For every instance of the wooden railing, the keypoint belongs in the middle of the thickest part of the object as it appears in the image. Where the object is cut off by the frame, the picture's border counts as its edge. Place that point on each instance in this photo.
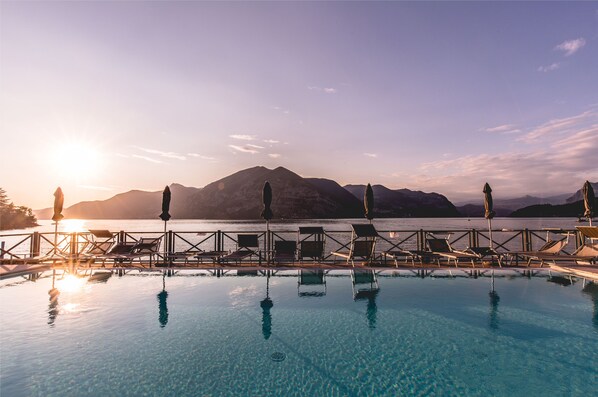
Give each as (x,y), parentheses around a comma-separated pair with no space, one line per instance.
(40,245)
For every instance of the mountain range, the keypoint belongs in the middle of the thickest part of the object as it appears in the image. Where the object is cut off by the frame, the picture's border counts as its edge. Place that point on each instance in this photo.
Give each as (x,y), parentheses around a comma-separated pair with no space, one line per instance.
(239,196)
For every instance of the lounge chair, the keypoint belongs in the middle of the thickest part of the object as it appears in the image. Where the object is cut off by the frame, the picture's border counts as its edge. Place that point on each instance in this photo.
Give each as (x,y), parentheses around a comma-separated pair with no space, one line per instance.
(247,247)
(442,249)
(311,242)
(127,251)
(311,283)
(585,254)
(550,249)
(362,245)
(397,253)
(284,251)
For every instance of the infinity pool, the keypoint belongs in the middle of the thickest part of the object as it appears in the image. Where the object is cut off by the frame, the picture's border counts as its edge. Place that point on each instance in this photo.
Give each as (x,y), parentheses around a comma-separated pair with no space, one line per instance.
(337,334)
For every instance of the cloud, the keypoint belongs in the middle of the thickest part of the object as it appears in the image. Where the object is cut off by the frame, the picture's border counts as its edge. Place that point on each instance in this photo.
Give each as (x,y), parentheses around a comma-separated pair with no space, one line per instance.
(561,126)
(556,165)
(243,149)
(243,137)
(254,146)
(373,155)
(197,155)
(151,160)
(549,68)
(570,47)
(274,155)
(327,90)
(503,129)
(170,155)
(271,141)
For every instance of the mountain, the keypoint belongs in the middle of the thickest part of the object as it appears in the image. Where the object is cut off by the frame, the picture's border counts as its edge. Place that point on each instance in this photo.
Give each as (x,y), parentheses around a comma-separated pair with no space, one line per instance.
(578,195)
(478,210)
(237,196)
(406,203)
(547,210)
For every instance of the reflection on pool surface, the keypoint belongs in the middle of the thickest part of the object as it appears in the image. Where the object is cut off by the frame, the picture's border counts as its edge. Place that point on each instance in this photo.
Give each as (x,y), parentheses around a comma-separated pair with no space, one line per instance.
(337,333)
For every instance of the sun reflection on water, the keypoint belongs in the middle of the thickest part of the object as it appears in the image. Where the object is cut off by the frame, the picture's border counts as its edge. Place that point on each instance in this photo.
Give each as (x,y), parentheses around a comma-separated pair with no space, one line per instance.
(73,225)
(70,283)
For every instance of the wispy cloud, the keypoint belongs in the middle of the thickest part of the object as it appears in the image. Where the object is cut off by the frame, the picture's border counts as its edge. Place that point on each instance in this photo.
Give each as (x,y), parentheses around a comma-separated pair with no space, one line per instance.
(373,155)
(254,146)
(151,160)
(274,155)
(278,108)
(243,137)
(170,155)
(503,129)
(200,156)
(561,126)
(244,149)
(549,68)
(539,168)
(271,141)
(570,47)
(327,90)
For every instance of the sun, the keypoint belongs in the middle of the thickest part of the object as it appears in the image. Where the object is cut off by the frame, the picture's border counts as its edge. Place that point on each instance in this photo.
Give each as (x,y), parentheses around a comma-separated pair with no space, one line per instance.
(76,160)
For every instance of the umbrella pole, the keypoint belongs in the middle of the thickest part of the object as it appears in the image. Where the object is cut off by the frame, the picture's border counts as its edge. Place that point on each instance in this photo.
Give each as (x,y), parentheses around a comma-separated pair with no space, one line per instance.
(55,238)
(268,242)
(165,243)
(490,231)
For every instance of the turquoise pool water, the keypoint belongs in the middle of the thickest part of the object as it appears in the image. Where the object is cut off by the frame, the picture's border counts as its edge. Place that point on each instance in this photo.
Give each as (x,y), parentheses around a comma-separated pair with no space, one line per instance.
(200,335)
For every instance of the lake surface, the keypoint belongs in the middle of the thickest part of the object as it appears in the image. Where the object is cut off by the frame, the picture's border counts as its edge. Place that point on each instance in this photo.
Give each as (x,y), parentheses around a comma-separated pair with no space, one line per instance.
(342,334)
(180,225)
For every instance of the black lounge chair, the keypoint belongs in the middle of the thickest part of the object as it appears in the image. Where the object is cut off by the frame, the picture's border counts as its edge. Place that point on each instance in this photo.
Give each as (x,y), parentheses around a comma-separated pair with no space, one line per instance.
(247,247)
(362,245)
(311,243)
(284,251)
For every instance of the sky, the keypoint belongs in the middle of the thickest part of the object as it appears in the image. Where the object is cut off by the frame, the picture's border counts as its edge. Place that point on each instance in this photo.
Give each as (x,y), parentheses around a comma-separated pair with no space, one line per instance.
(104,97)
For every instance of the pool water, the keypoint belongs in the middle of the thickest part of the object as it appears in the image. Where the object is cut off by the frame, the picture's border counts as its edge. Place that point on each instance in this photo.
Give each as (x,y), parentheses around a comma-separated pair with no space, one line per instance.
(338,334)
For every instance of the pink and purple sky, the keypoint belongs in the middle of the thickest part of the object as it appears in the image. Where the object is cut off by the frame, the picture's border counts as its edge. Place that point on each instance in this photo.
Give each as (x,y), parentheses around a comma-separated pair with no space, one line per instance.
(104,97)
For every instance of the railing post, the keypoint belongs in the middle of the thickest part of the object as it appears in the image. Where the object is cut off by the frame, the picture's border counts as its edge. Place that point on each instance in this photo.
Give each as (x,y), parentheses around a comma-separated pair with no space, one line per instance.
(122,236)
(35,246)
(74,245)
(1,249)
(578,239)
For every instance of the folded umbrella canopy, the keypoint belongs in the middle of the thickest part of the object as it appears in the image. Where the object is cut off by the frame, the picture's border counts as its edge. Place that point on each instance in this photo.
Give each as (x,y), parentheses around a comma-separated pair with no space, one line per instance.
(165,216)
(368,202)
(588,200)
(489,208)
(58,204)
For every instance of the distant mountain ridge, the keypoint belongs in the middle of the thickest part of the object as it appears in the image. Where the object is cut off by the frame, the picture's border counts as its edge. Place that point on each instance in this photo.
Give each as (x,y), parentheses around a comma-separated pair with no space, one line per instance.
(406,203)
(238,196)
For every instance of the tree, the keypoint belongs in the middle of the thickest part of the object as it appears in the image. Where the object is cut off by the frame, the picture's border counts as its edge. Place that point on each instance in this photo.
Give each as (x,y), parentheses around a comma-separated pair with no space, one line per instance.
(14,217)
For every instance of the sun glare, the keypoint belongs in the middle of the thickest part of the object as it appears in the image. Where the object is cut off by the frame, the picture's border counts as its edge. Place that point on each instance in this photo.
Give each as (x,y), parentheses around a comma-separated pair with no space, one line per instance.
(73,225)
(70,283)
(76,160)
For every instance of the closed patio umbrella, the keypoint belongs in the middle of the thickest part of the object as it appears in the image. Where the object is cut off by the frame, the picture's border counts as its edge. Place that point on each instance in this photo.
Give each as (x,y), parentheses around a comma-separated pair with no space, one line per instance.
(267,214)
(368,202)
(57,217)
(488,206)
(588,200)
(165,216)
